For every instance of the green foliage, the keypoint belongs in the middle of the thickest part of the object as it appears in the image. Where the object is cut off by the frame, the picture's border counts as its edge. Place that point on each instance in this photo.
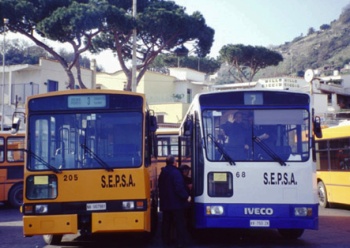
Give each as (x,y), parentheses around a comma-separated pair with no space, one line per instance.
(325,26)
(20,52)
(311,31)
(73,21)
(246,61)
(163,61)
(66,21)
(345,15)
(181,51)
(161,26)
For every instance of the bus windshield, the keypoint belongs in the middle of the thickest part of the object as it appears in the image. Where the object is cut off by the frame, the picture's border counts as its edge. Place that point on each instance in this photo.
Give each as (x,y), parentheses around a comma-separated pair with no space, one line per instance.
(85,141)
(257,135)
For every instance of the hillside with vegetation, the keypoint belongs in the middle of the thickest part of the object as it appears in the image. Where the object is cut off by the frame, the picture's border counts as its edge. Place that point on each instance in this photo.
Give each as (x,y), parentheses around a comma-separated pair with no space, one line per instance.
(327,49)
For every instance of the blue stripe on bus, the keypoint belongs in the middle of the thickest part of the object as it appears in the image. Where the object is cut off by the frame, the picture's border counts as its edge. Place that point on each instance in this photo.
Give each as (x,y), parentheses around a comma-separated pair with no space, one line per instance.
(240,215)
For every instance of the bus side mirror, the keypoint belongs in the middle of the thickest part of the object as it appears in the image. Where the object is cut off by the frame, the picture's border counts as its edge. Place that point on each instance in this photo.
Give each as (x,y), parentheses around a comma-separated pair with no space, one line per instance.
(317,127)
(153,125)
(188,127)
(16,122)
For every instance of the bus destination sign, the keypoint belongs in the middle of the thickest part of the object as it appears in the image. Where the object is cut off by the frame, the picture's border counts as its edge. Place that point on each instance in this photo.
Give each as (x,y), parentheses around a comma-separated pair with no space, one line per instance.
(86,101)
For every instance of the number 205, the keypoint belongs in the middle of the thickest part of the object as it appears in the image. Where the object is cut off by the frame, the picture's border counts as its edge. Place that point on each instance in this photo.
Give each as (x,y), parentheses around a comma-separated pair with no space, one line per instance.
(70,177)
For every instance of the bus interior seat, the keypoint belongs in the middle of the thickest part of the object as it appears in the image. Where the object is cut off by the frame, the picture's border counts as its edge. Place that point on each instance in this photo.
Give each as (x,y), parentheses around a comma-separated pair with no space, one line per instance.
(129,152)
(284,152)
(69,161)
(126,149)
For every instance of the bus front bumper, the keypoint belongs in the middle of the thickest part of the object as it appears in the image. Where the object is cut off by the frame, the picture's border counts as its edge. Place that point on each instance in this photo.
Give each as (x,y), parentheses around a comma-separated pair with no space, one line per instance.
(280,216)
(99,223)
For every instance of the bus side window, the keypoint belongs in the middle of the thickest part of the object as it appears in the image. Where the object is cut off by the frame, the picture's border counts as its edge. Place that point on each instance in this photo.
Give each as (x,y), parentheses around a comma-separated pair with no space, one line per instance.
(1,153)
(343,155)
(2,142)
(15,149)
(163,144)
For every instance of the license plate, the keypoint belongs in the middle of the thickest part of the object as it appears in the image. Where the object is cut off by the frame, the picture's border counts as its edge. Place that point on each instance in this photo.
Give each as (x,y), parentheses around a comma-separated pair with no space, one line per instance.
(96,206)
(259,223)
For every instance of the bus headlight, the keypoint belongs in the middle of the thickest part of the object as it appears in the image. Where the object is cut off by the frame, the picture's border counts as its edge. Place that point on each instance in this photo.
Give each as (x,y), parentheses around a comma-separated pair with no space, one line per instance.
(215,210)
(134,205)
(41,209)
(302,211)
(128,205)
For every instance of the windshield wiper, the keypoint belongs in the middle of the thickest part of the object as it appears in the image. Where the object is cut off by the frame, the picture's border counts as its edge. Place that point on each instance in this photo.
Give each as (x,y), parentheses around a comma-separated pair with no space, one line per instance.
(97,158)
(222,150)
(54,169)
(268,150)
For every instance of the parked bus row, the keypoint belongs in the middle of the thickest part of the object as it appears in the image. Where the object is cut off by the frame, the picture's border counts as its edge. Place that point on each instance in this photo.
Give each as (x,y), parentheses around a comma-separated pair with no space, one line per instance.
(89,162)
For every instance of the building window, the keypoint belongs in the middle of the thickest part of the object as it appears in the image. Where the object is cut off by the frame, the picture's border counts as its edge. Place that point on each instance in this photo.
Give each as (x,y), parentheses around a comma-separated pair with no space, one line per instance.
(160,118)
(52,85)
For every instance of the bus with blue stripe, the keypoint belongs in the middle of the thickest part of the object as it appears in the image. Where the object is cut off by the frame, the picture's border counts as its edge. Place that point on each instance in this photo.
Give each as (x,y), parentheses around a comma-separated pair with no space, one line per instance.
(267,182)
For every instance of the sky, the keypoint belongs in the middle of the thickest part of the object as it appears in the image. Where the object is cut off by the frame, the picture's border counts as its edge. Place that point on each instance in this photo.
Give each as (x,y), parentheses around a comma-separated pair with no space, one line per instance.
(254,22)
(262,22)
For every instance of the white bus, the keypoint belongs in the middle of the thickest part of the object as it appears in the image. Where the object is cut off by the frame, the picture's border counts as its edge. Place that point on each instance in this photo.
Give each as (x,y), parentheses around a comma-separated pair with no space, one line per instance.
(266,179)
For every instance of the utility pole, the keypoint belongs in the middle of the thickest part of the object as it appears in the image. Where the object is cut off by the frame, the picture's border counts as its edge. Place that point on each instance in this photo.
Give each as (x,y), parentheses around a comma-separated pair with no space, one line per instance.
(133,70)
(3,77)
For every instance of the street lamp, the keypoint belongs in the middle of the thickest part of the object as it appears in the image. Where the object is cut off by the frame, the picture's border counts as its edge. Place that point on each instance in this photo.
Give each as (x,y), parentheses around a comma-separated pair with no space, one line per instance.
(3,76)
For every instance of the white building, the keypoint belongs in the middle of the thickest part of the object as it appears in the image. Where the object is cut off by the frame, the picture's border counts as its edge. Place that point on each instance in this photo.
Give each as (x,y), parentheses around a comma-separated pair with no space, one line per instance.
(331,94)
(21,81)
(169,95)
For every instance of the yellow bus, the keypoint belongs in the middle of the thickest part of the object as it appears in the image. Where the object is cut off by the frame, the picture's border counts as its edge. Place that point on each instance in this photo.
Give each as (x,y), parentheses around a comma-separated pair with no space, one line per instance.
(168,143)
(333,165)
(88,164)
(11,168)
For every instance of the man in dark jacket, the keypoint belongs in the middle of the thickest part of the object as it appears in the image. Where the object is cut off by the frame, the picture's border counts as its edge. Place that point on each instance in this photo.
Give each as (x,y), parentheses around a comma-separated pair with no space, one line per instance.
(173,197)
(238,143)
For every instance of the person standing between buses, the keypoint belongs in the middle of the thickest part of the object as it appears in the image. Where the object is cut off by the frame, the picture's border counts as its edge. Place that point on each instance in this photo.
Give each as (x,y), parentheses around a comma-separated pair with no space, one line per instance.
(174,198)
(185,171)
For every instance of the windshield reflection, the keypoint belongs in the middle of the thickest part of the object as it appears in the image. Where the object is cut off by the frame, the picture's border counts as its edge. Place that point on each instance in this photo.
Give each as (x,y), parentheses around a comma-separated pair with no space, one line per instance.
(257,135)
(86,141)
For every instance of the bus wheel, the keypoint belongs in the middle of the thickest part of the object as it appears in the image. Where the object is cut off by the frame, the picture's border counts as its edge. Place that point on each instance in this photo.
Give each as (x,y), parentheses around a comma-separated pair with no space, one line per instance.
(291,233)
(322,195)
(53,239)
(16,195)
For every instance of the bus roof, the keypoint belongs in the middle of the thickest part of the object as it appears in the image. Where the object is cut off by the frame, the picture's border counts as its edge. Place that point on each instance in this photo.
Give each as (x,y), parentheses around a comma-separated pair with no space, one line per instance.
(9,133)
(340,131)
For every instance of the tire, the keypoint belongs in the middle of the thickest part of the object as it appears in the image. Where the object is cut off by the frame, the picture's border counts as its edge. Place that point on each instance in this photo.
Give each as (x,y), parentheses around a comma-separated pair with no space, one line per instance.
(15,196)
(322,195)
(53,239)
(291,233)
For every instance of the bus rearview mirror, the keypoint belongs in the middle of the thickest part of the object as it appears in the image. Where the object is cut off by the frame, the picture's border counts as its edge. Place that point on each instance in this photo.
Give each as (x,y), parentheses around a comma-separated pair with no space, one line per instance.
(317,127)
